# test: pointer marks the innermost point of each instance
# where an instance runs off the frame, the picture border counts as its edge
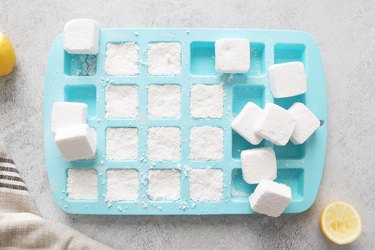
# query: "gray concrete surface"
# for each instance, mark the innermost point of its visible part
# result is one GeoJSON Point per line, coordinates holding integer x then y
{"type": "Point", "coordinates": [346, 33]}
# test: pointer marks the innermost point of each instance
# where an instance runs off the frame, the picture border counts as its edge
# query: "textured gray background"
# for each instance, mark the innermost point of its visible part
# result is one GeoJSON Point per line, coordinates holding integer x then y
{"type": "Point", "coordinates": [345, 31]}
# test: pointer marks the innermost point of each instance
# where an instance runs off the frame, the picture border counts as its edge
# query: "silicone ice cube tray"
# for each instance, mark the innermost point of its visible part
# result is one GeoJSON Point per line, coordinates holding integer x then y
{"type": "Point", "coordinates": [299, 166]}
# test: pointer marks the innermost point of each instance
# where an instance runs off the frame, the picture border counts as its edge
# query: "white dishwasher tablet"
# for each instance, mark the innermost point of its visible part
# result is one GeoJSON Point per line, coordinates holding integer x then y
{"type": "Point", "coordinates": [232, 55]}
{"type": "Point", "coordinates": [76, 142]}
{"type": "Point", "coordinates": [276, 124]}
{"type": "Point", "coordinates": [244, 123]}
{"type": "Point", "coordinates": [81, 36]}
{"type": "Point", "coordinates": [306, 123]}
{"type": "Point", "coordinates": [270, 198]}
{"type": "Point", "coordinates": [66, 114]}
{"type": "Point", "coordinates": [287, 79]}
{"type": "Point", "coordinates": [258, 164]}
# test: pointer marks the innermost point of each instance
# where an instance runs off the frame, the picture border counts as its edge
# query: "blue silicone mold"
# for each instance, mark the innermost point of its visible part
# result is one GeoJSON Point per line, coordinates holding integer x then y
{"type": "Point", "coordinates": [299, 166]}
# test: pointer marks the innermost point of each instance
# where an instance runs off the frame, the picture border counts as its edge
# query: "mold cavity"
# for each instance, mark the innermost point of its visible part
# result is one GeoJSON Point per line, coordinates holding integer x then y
{"type": "Point", "coordinates": [293, 177]}
{"type": "Point", "coordinates": [289, 101]}
{"type": "Point", "coordinates": [290, 151]}
{"type": "Point", "coordinates": [202, 58]}
{"type": "Point", "coordinates": [256, 59]}
{"type": "Point", "coordinates": [287, 52]}
{"type": "Point", "coordinates": [239, 144]}
{"type": "Point", "coordinates": [243, 94]}
{"type": "Point", "coordinates": [82, 93]}
{"type": "Point", "coordinates": [79, 65]}
{"type": "Point", "coordinates": [239, 186]}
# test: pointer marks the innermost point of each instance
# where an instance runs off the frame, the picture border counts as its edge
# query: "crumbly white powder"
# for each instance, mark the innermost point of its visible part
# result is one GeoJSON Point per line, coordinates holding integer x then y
{"type": "Point", "coordinates": [164, 101]}
{"type": "Point", "coordinates": [82, 184]}
{"type": "Point", "coordinates": [206, 184]}
{"type": "Point", "coordinates": [164, 184]}
{"type": "Point", "coordinates": [121, 101]}
{"type": "Point", "coordinates": [164, 143]}
{"type": "Point", "coordinates": [164, 59]}
{"type": "Point", "coordinates": [206, 143]}
{"type": "Point", "coordinates": [88, 65]}
{"type": "Point", "coordinates": [207, 101]}
{"type": "Point", "coordinates": [121, 59]}
{"type": "Point", "coordinates": [122, 184]}
{"type": "Point", "coordinates": [122, 143]}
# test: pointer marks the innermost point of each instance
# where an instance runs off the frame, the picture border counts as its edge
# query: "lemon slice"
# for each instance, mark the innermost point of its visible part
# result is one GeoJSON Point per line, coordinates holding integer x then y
{"type": "Point", "coordinates": [7, 56]}
{"type": "Point", "coordinates": [340, 222]}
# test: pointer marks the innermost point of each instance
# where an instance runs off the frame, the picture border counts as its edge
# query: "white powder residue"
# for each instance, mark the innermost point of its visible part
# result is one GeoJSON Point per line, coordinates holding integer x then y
{"type": "Point", "coordinates": [164, 143]}
{"type": "Point", "coordinates": [164, 184]}
{"type": "Point", "coordinates": [122, 185]}
{"type": "Point", "coordinates": [88, 65]}
{"type": "Point", "coordinates": [82, 184]}
{"type": "Point", "coordinates": [206, 184]}
{"type": "Point", "coordinates": [122, 143]}
{"type": "Point", "coordinates": [164, 101]}
{"type": "Point", "coordinates": [121, 59]}
{"type": "Point", "coordinates": [164, 59]}
{"type": "Point", "coordinates": [121, 101]}
{"type": "Point", "coordinates": [207, 101]}
{"type": "Point", "coordinates": [206, 143]}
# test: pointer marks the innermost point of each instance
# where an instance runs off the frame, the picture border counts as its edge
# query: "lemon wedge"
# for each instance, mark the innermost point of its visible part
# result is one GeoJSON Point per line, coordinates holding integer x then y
{"type": "Point", "coordinates": [340, 222]}
{"type": "Point", "coordinates": [7, 56]}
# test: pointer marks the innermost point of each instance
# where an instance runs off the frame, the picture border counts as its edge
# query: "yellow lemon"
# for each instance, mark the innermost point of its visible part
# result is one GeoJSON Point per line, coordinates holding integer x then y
{"type": "Point", "coordinates": [7, 56]}
{"type": "Point", "coordinates": [340, 222]}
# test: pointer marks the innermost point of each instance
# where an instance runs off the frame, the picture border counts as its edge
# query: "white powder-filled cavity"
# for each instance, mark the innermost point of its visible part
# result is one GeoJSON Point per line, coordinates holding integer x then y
{"type": "Point", "coordinates": [207, 101]}
{"type": "Point", "coordinates": [164, 101]}
{"type": "Point", "coordinates": [121, 59]}
{"type": "Point", "coordinates": [206, 184]}
{"type": "Point", "coordinates": [122, 184]}
{"type": "Point", "coordinates": [121, 101]}
{"type": "Point", "coordinates": [206, 143]}
{"type": "Point", "coordinates": [122, 143]}
{"type": "Point", "coordinates": [164, 59]}
{"type": "Point", "coordinates": [164, 143]}
{"type": "Point", "coordinates": [82, 184]}
{"type": "Point", "coordinates": [164, 184]}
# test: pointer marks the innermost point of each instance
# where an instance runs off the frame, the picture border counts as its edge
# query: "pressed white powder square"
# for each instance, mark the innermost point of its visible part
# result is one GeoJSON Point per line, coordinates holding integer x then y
{"type": "Point", "coordinates": [121, 101]}
{"type": "Point", "coordinates": [164, 143]}
{"type": "Point", "coordinates": [122, 184]}
{"type": "Point", "coordinates": [206, 143]}
{"type": "Point", "coordinates": [164, 184]}
{"type": "Point", "coordinates": [164, 101]}
{"type": "Point", "coordinates": [121, 59]}
{"type": "Point", "coordinates": [122, 143]}
{"type": "Point", "coordinates": [232, 55]}
{"type": "Point", "coordinates": [81, 36]}
{"type": "Point", "coordinates": [206, 184]}
{"type": "Point", "coordinates": [287, 79]}
{"type": "Point", "coordinates": [164, 59]}
{"type": "Point", "coordinates": [82, 184]}
{"type": "Point", "coordinates": [207, 101]}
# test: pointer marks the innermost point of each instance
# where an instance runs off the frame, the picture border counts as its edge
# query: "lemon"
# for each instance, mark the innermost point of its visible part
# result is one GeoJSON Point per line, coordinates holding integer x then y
{"type": "Point", "coordinates": [340, 222]}
{"type": "Point", "coordinates": [7, 56]}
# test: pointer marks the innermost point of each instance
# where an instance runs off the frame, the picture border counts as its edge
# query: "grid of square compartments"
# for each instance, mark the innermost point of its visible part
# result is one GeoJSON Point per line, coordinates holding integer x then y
{"type": "Point", "coordinates": [119, 120]}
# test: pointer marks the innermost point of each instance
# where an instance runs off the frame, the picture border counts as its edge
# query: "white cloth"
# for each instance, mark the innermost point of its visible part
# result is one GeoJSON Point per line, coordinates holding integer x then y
{"type": "Point", "coordinates": [20, 225]}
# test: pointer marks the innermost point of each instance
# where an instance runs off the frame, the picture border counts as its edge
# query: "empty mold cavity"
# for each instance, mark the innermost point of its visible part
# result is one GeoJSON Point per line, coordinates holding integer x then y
{"type": "Point", "coordinates": [290, 151]}
{"type": "Point", "coordinates": [243, 94]}
{"type": "Point", "coordinates": [82, 93]}
{"type": "Point", "coordinates": [79, 65]}
{"type": "Point", "coordinates": [293, 177]}
{"type": "Point", "coordinates": [289, 53]}
{"type": "Point", "coordinates": [239, 144]}
{"type": "Point", "coordinates": [289, 101]}
{"type": "Point", "coordinates": [202, 58]}
{"type": "Point", "coordinates": [256, 59]}
{"type": "Point", "coordinates": [239, 186]}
